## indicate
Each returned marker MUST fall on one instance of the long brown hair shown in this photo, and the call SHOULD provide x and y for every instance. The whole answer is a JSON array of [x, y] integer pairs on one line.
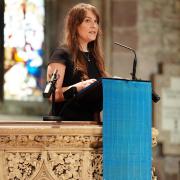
[[74, 18]]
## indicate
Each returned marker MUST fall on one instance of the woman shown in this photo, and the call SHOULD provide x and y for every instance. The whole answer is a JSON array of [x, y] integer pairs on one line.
[[79, 62]]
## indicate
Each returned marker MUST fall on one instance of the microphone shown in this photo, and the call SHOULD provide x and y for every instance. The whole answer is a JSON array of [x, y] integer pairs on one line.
[[133, 74], [155, 97], [50, 85]]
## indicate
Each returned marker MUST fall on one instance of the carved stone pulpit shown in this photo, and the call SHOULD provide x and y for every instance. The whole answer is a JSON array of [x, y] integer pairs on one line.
[[50, 151]]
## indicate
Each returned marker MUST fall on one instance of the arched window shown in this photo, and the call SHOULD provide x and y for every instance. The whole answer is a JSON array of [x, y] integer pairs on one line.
[[23, 49]]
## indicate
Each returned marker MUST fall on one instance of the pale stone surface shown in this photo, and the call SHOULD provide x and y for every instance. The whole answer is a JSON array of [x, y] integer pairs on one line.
[[166, 112], [159, 35], [163, 82], [50, 151]]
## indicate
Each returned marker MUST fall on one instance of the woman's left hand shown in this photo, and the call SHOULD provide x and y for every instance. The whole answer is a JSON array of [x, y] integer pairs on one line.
[[83, 84], [88, 82]]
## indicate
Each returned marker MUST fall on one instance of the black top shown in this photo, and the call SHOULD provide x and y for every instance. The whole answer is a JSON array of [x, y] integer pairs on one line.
[[75, 111]]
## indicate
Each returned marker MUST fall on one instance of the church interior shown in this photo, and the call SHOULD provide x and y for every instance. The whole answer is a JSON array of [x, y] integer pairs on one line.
[[29, 31]]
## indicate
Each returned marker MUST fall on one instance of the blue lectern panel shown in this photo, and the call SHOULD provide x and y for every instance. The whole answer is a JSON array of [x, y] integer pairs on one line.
[[127, 113]]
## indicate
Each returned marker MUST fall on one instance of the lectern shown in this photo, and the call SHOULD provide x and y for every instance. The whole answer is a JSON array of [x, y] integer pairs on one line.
[[127, 117], [127, 113]]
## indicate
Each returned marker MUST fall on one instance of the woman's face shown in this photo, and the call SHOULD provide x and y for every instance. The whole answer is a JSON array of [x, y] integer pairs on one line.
[[88, 29]]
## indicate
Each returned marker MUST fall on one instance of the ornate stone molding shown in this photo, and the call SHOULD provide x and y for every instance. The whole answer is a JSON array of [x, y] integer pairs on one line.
[[50, 140], [154, 143], [38, 152], [46, 152]]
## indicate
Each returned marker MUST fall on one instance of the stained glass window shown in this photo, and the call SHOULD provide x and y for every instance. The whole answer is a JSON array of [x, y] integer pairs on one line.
[[23, 42]]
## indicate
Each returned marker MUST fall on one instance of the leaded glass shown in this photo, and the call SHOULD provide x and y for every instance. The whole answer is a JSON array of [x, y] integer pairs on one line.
[[23, 42]]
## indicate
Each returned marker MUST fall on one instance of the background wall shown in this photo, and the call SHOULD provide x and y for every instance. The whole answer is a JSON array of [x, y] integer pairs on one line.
[[152, 28]]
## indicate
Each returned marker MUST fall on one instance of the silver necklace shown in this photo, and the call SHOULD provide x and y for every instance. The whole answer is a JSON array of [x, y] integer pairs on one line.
[[87, 56]]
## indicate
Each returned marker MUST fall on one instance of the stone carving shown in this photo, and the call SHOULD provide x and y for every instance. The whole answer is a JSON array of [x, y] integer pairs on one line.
[[45, 139], [31, 156], [7, 139], [154, 136], [53, 165], [51, 140], [96, 166], [154, 143], [68, 139], [22, 165], [51, 155], [43, 174], [22, 139], [66, 165], [46, 153]]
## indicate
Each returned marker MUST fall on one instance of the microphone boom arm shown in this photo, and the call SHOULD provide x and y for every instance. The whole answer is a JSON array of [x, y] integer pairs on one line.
[[155, 97], [133, 74]]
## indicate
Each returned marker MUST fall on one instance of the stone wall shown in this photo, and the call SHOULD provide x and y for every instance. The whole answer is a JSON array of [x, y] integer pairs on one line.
[[159, 34], [159, 54], [166, 119], [152, 28], [124, 30]]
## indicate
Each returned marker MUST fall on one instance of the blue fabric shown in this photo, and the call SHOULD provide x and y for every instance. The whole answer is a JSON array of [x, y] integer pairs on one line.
[[127, 142]]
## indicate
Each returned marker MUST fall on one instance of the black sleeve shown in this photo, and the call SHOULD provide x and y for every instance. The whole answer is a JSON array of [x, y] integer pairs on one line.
[[60, 55]]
